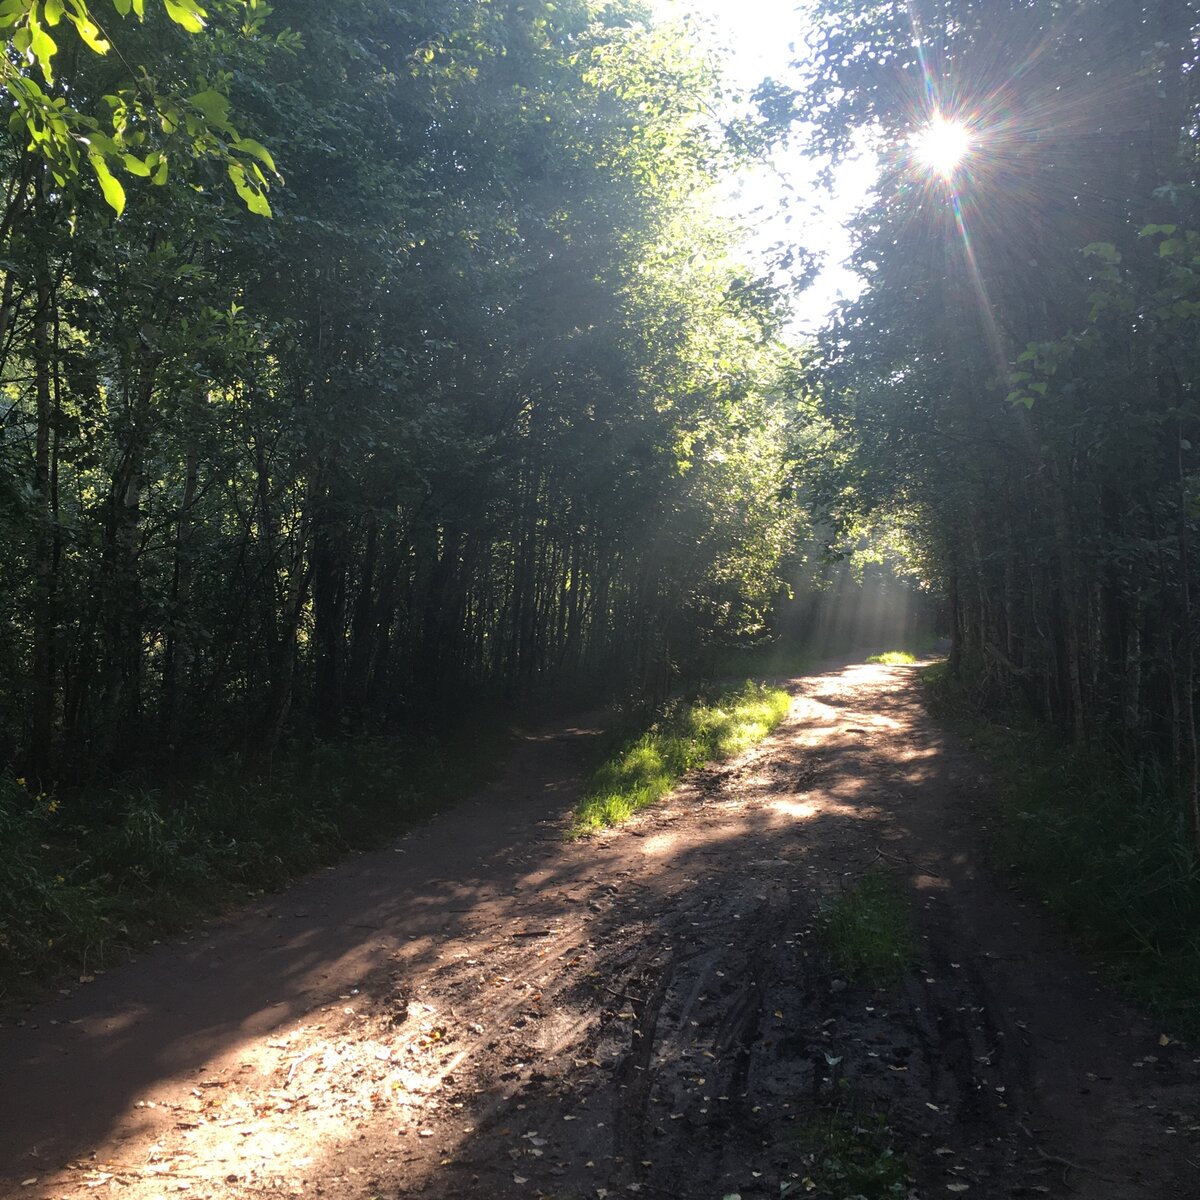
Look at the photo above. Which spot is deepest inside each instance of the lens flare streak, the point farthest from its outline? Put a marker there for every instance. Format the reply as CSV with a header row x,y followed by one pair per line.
x,y
941,147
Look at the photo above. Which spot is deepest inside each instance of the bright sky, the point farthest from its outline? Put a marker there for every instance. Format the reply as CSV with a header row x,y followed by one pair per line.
x,y
753,37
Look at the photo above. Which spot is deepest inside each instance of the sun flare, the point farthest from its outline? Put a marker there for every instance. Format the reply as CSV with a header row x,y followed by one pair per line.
x,y
941,146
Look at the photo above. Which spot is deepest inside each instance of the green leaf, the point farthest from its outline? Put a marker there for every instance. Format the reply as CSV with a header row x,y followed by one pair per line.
x,y
256,202
160,172
186,13
135,166
52,12
259,151
110,185
1105,251
90,33
214,106
103,143
1151,230
43,48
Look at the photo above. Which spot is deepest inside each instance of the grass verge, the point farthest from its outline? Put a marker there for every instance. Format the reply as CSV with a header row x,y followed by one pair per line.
x,y
88,876
893,658
868,931
645,768
1107,852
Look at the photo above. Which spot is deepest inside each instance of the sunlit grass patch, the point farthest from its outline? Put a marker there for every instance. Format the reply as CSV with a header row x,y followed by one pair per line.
x,y
646,768
893,658
869,931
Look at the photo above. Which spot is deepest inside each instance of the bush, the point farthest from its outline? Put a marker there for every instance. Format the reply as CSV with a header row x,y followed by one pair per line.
x,y
1107,848
87,876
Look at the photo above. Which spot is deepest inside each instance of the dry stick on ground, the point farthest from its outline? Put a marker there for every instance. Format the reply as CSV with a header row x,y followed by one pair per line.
x,y
905,860
306,1054
1058,1159
622,995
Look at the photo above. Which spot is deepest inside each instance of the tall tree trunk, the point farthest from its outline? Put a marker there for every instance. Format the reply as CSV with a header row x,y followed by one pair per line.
x,y
177,658
362,622
1191,746
121,714
283,676
1069,575
329,616
956,626
42,706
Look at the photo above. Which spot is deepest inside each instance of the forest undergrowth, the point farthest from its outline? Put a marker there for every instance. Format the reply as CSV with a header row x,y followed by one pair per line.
x,y
1104,846
93,873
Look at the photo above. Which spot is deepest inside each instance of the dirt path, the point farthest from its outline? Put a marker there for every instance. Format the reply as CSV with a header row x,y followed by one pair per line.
x,y
487,1011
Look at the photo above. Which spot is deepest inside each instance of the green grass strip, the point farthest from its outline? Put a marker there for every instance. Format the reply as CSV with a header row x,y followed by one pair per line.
x,y
869,931
645,768
893,658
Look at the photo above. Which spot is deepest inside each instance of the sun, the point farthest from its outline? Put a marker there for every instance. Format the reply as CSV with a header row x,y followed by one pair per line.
x,y
941,146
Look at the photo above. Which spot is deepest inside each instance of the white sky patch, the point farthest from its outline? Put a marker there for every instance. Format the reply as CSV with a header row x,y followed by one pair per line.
x,y
756,39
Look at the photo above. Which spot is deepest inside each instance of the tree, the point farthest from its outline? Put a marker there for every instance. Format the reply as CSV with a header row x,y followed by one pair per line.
x,y
487,405
141,120
1017,381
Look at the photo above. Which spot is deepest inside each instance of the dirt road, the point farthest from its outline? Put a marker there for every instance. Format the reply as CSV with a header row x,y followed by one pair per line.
x,y
485,1010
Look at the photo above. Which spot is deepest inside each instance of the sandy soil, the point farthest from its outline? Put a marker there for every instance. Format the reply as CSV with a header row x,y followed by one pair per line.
x,y
486,1010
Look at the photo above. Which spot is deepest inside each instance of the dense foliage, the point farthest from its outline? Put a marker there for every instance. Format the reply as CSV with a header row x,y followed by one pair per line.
x,y
483,404
1017,387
